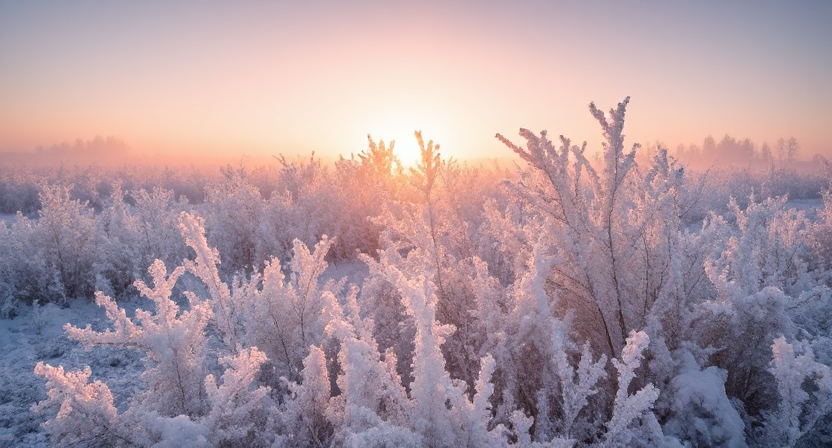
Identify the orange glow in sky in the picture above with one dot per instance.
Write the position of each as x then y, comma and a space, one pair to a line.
295, 77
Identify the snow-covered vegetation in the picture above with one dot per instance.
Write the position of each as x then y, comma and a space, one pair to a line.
619, 300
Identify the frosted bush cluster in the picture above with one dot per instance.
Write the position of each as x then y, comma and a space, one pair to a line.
578, 302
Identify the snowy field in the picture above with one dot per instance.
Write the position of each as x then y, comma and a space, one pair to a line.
37, 335
622, 301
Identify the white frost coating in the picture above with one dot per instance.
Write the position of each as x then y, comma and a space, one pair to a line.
306, 413
431, 385
793, 418
204, 266
172, 339
85, 410
629, 407
179, 432
702, 412
237, 403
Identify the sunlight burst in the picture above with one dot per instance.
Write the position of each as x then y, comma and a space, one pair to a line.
406, 147
401, 128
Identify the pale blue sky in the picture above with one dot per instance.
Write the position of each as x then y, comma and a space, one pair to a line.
292, 77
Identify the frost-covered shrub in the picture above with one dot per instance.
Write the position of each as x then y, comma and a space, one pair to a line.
233, 213
66, 229
85, 416
9, 301
239, 407
795, 184
537, 366
766, 247
282, 316
819, 235
372, 398
52, 258
437, 411
19, 190
392, 328
804, 386
119, 253
435, 226
501, 241
629, 260
365, 185
762, 282
172, 339
156, 214
739, 328
178, 380
616, 228
27, 278
302, 206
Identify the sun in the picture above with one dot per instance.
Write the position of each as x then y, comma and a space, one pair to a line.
401, 124
406, 148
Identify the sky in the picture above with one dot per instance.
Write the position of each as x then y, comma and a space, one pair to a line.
289, 77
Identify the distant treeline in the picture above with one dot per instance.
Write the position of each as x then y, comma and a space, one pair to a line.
98, 150
729, 150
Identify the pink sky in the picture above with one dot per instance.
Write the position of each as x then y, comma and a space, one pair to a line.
265, 78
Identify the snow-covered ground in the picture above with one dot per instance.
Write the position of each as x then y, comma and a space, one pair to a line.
37, 335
